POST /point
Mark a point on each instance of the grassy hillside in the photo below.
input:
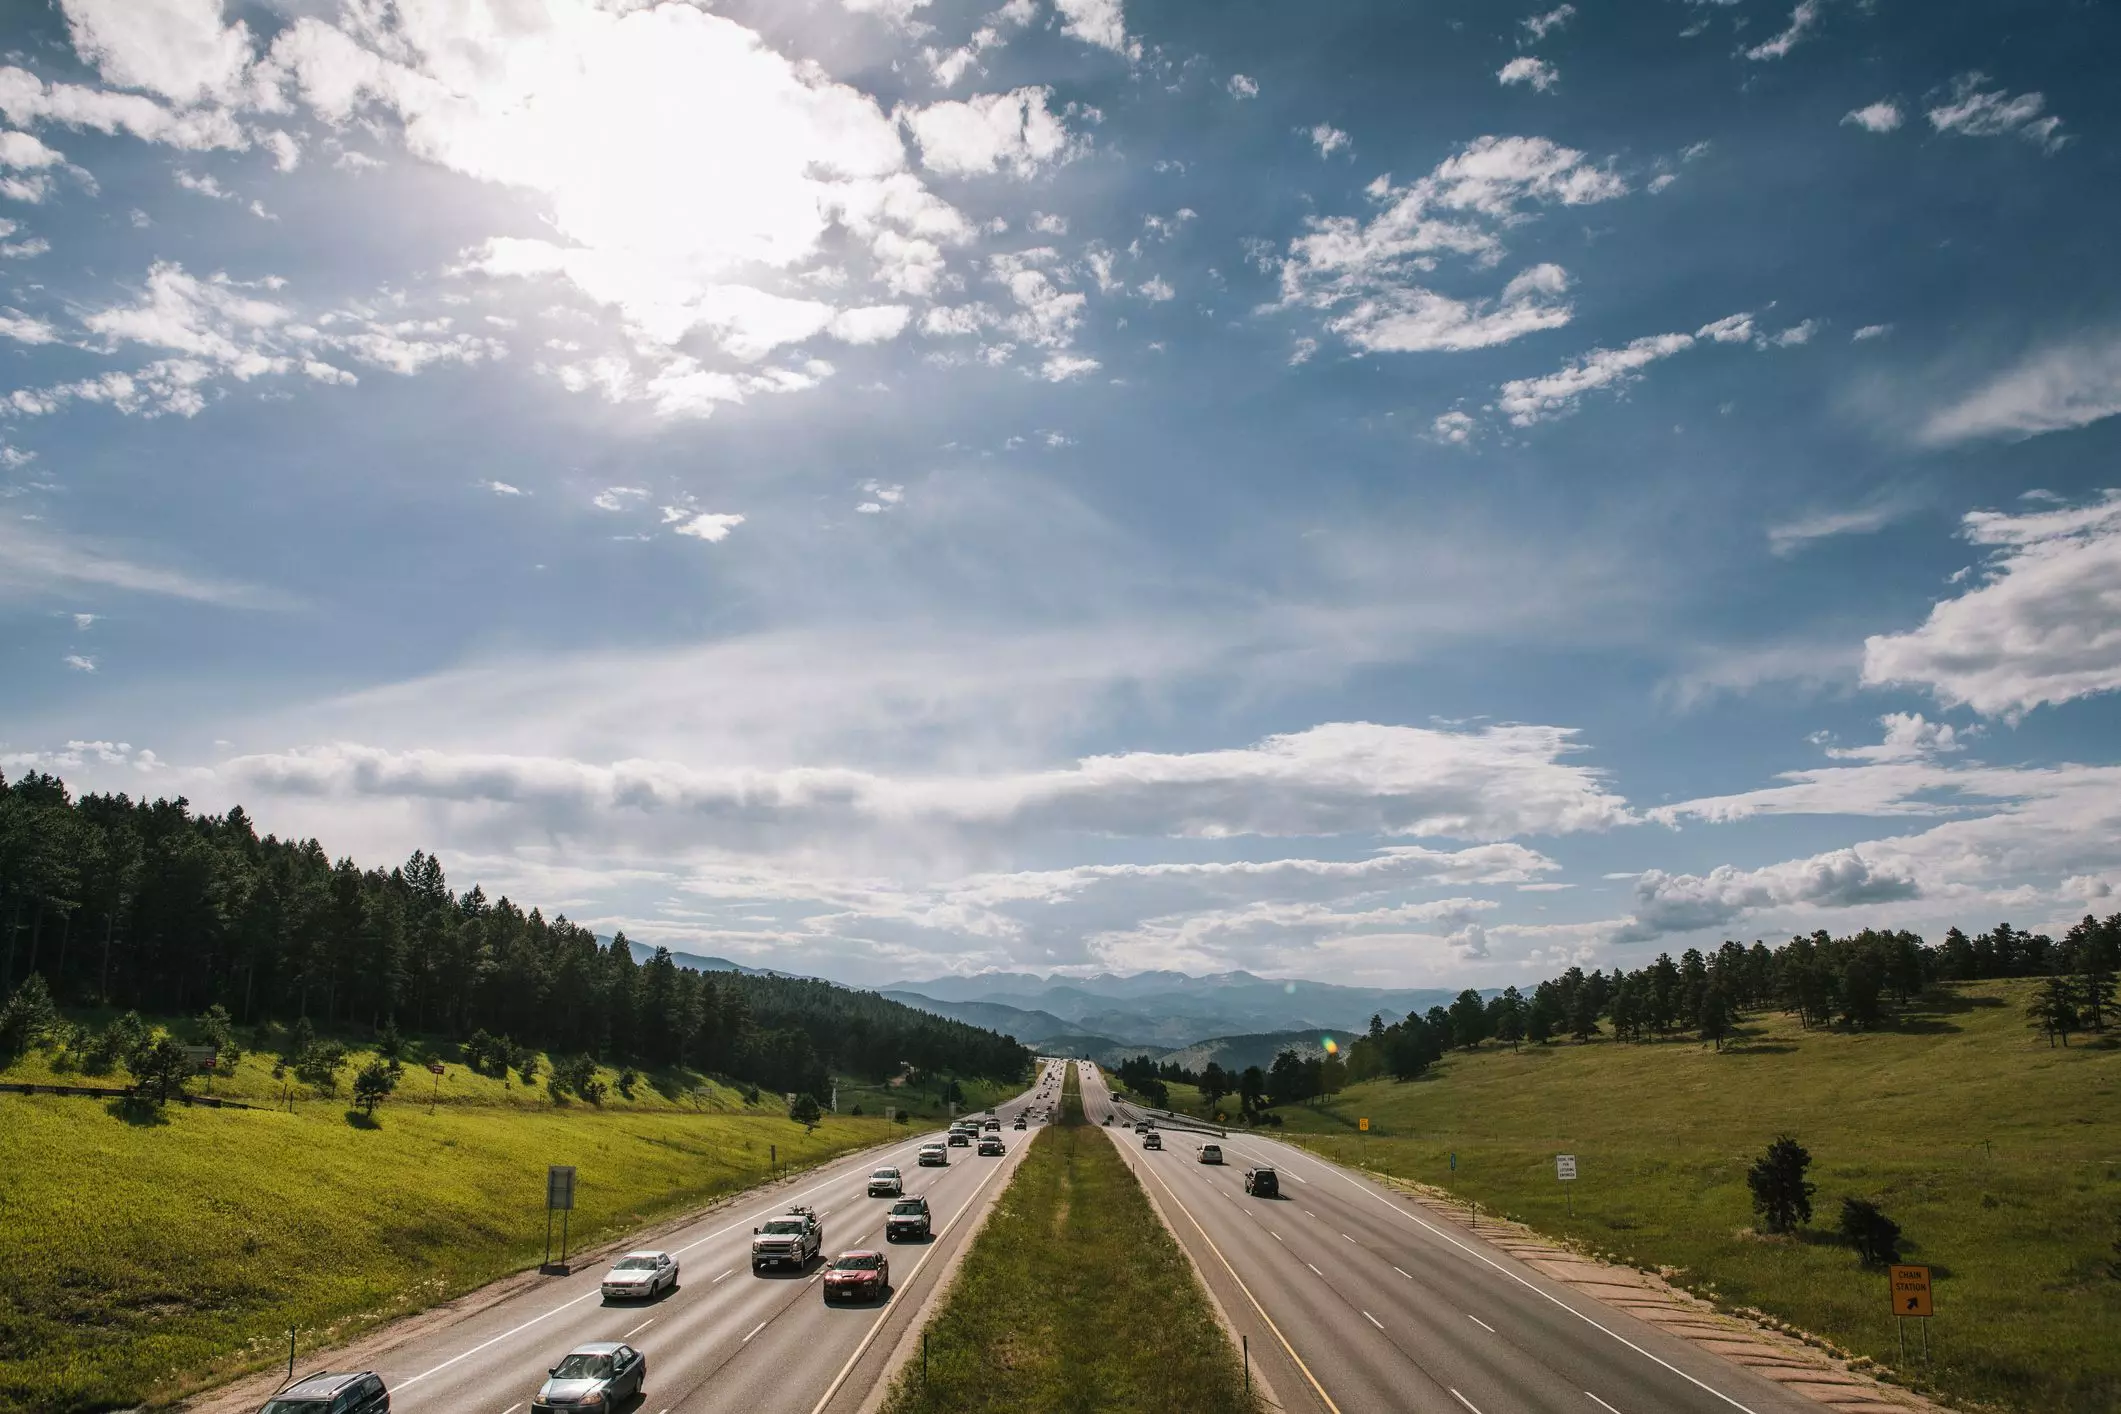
(1074, 1297)
(151, 1256)
(1999, 1157)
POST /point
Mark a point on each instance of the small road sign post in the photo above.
(1912, 1301)
(436, 1068)
(559, 1198)
(1565, 1173)
(202, 1060)
(1362, 1130)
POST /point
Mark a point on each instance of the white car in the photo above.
(887, 1183)
(640, 1275)
(934, 1156)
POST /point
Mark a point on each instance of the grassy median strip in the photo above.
(1074, 1297)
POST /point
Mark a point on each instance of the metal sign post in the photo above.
(559, 1198)
(437, 1068)
(202, 1060)
(1565, 1173)
(1362, 1131)
(1913, 1300)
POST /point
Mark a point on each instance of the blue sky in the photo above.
(1399, 493)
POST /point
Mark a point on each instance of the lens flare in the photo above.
(1332, 1046)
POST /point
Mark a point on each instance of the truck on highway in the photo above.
(789, 1241)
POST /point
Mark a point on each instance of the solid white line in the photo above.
(755, 1330)
(1599, 1402)
(566, 1305)
(1373, 1320)
(1479, 1322)
(1528, 1286)
(1466, 1402)
(878, 1324)
(638, 1329)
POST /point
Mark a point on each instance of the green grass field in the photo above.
(2000, 1158)
(1074, 1297)
(148, 1258)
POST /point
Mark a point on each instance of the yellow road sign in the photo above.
(1911, 1292)
(1363, 1124)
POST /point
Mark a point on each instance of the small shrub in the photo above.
(1875, 1236)
(375, 1081)
(628, 1079)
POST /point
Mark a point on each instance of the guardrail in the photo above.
(1167, 1119)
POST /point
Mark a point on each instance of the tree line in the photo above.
(1864, 981)
(147, 906)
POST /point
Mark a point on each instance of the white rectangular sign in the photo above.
(1565, 1167)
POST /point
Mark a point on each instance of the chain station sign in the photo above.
(1363, 1124)
(1911, 1292)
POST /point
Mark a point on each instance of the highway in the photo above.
(1356, 1301)
(725, 1338)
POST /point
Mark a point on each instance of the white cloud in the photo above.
(1242, 87)
(204, 186)
(1788, 537)
(884, 497)
(2053, 389)
(1047, 224)
(1869, 332)
(2042, 625)
(1684, 903)
(23, 329)
(1064, 368)
(992, 132)
(1908, 737)
(1454, 428)
(1525, 69)
(24, 152)
(502, 488)
(616, 498)
(36, 561)
(1482, 785)
(1099, 22)
(1881, 117)
(26, 99)
(1155, 289)
(79, 663)
(894, 12)
(1794, 336)
(1974, 112)
(85, 621)
(1327, 139)
(1368, 274)
(1539, 26)
(703, 525)
(1531, 400)
(1802, 21)
(176, 48)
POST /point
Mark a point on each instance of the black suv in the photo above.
(359, 1392)
(1262, 1183)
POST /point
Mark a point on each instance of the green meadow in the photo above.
(149, 1255)
(1999, 1157)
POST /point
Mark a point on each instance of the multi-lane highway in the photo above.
(726, 1338)
(1354, 1300)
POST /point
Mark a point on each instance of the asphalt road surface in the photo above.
(726, 1339)
(1356, 1301)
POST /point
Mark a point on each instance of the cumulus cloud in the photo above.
(2053, 389)
(1487, 784)
(1974, 111)
(1538, 27)
(1242, 87)
(1327, 139)
(2040, 625)
(992, 132)
(1527, 70)
(704, 525)
(178, 49)
(1684, 903)
(1881, 117)
(1368, 276)
(1099, 22)
(618, 498)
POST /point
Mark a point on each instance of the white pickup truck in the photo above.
(789, 1241)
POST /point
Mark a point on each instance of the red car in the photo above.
(858, 1276)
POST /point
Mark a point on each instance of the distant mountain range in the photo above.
(1233, 1018)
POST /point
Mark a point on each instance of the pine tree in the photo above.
(2053, 1009)
(1781, 1195)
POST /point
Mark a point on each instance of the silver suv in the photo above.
(324, 1392)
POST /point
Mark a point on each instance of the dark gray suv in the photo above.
(360, 1392)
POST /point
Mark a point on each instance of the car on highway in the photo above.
(1020, 1124)
(860, 1275)
(599, 1375)
(960, 1139)
(1211, 1153)
(1152, 1140)
(908, 1221)
(640, 1275)
(791, 1240)
(1263, 1183)
(330, 1392)
(934, 1156)
(993, 1124)
(886, 1183)
(990, 1146)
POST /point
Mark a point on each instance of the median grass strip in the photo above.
(148, 1256)
(1999, 1157)
(1074, 1297)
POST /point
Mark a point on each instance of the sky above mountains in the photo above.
(1394, 493)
